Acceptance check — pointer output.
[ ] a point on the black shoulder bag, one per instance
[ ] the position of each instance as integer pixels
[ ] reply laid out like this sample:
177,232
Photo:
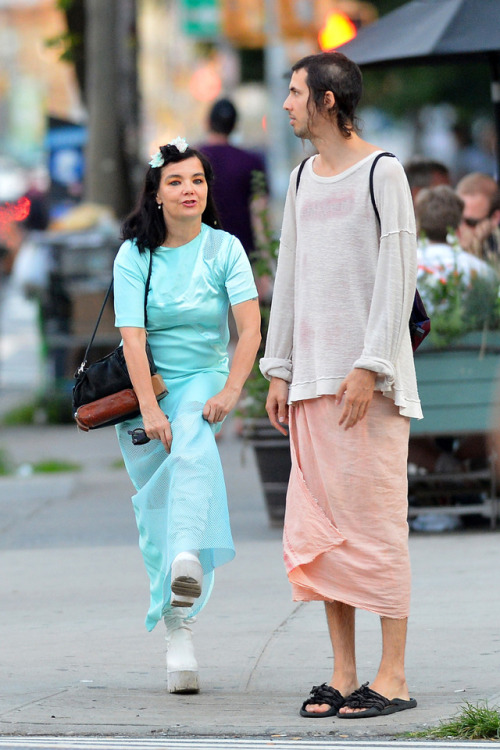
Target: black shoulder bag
103,394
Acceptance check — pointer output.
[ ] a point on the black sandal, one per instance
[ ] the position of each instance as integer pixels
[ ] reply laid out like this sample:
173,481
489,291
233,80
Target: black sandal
323,694
373,704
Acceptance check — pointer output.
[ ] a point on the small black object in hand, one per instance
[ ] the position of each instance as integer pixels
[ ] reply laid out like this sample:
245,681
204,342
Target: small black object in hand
139,436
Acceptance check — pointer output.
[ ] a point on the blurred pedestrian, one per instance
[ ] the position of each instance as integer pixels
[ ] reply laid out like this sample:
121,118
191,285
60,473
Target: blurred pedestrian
475,148
197,272
424,173
233,168
438,213
479,229
340,362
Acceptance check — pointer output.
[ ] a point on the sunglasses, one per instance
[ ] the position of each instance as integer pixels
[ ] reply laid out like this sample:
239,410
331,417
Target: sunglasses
139,436
472,223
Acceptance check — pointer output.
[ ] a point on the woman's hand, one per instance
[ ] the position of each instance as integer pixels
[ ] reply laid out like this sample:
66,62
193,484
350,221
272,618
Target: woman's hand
157,426
357,391
247,319
276,404
218,407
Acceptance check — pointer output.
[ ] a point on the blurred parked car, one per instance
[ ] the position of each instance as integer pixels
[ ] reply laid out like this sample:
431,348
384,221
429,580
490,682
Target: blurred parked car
23,206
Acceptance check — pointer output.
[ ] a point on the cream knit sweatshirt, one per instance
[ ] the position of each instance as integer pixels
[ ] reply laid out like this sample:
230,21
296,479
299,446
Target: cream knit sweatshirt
344,288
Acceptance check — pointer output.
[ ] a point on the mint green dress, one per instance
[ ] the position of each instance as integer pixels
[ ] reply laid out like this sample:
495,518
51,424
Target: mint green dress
180,501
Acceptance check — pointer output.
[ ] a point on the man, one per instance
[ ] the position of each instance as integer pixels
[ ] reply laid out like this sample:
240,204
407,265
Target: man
340,362
425,173
438,213
479,231
233,168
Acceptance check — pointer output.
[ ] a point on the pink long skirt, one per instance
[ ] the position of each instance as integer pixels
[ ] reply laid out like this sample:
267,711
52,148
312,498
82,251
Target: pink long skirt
346,532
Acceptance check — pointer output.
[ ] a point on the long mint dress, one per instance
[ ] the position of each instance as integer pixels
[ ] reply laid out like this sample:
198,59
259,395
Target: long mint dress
180,501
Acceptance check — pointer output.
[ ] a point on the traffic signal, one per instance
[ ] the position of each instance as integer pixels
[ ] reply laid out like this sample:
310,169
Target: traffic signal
331,22
297,18
243,22
339,20
338,29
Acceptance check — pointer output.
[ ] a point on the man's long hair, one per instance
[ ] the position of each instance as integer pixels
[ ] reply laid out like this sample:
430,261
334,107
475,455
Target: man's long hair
146,223
333,71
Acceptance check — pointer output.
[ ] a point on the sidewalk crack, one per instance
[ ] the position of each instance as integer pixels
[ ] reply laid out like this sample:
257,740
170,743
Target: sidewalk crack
272,637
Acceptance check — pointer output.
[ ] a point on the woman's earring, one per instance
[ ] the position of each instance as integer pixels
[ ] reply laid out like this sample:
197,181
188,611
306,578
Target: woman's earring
159,206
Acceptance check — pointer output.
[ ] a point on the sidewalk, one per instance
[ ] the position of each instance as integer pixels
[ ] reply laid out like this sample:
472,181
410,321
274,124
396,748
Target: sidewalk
76,657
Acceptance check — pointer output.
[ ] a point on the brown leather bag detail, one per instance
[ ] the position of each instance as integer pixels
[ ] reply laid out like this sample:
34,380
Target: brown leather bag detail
105,410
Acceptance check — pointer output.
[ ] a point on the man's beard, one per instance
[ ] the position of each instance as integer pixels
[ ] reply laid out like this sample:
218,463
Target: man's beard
302,132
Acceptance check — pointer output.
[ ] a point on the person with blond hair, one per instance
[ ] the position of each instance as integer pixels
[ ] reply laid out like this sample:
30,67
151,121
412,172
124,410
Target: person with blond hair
479,229
438,213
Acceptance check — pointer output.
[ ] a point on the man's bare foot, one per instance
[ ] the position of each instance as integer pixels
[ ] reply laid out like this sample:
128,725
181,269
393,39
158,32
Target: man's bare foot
322,708
389,688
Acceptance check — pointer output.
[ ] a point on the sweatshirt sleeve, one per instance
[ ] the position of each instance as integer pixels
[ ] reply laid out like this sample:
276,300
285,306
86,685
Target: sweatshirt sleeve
395,278
277,360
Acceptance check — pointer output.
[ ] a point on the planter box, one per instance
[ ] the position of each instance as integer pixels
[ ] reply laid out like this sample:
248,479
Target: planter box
272,454
460,394
458,386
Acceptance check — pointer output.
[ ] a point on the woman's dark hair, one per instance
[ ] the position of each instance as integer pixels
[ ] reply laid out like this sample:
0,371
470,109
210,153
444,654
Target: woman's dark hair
333,71
146,223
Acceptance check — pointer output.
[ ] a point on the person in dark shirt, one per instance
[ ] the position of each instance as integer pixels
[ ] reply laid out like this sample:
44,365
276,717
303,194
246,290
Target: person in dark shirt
233,169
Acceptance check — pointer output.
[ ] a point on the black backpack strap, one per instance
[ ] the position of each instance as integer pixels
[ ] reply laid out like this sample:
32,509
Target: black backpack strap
146,291
299,173
372,192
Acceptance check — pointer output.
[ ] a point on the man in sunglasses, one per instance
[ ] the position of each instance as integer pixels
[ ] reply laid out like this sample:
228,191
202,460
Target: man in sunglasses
479,230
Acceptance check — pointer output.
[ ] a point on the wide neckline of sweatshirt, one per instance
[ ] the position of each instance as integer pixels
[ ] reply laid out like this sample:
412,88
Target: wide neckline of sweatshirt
341,175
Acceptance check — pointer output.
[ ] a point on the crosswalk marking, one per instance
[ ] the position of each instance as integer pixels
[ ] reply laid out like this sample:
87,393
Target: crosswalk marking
219,743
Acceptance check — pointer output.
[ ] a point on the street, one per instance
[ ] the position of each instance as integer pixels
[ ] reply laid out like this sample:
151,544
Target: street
178,743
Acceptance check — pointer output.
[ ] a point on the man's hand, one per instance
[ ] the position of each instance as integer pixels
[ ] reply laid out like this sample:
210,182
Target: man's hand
357,391
276,404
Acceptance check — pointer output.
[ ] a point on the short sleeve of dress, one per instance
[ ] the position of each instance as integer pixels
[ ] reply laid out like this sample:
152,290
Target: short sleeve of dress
239,281
129,280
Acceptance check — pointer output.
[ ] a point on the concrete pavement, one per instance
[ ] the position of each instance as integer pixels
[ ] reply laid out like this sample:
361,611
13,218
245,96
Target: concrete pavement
76,657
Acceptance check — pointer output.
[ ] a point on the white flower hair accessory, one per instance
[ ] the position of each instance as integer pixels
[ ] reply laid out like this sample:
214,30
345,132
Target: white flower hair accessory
180,144
157,160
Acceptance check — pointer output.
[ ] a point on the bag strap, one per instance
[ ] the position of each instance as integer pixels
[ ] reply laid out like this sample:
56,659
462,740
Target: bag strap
299,173
146,291
372,192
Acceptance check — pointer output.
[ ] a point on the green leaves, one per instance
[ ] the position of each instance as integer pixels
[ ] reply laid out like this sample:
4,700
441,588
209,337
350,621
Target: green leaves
475,722
458,303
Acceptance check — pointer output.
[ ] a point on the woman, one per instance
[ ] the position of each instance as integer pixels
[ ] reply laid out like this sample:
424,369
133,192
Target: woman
197,271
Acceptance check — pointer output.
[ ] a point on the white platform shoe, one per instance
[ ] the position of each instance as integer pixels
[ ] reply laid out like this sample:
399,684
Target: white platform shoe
182,667
187,579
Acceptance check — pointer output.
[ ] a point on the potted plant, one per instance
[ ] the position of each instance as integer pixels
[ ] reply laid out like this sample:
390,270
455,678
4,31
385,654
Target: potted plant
272,450
460,304
457,374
